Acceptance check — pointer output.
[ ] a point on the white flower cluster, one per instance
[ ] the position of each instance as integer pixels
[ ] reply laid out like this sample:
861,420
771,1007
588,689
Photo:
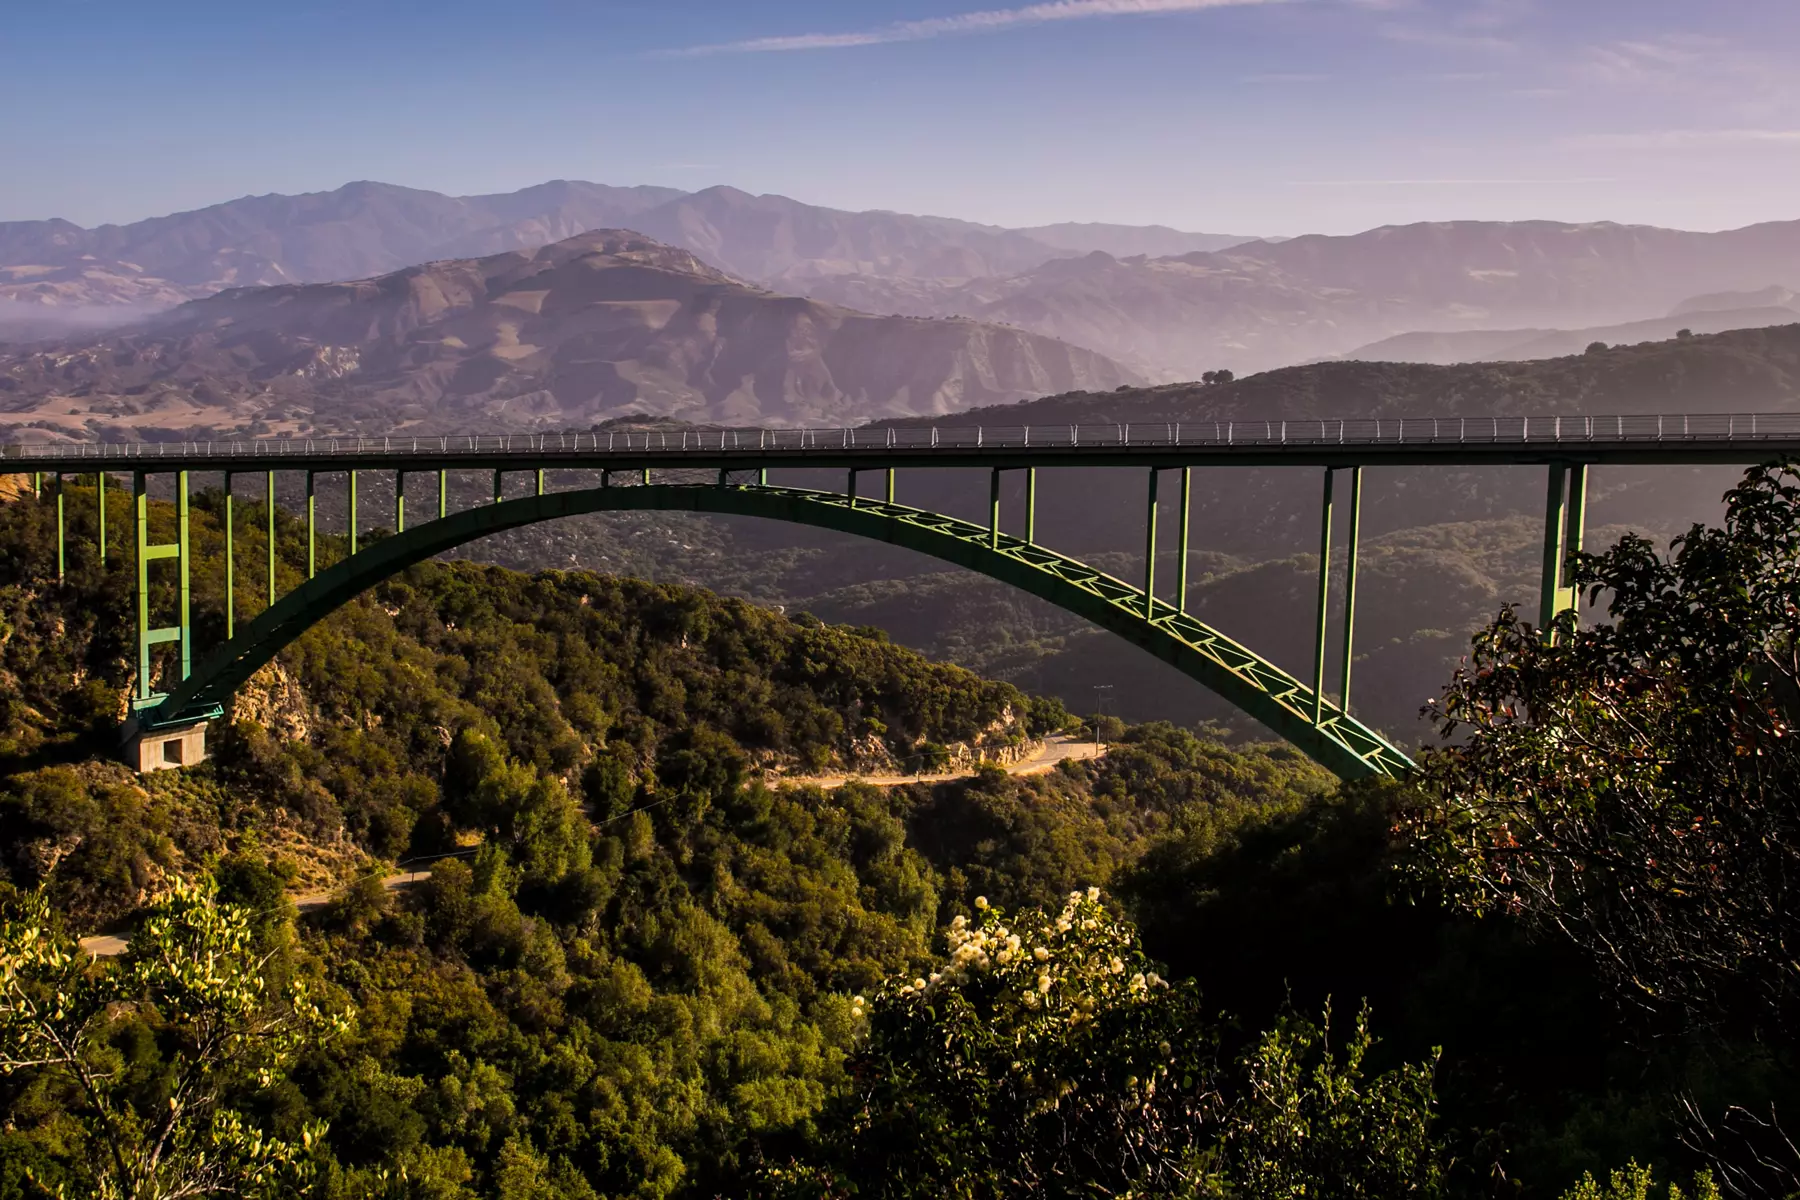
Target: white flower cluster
1069,964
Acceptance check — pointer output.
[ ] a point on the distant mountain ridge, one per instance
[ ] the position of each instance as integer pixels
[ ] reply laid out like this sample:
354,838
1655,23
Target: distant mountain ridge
1265,304
606,324
359,230
1521,345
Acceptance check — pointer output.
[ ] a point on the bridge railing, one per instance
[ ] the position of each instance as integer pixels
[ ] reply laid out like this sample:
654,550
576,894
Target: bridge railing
1424,431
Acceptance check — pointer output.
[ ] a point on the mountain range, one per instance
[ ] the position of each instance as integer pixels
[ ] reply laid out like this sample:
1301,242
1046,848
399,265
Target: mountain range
55,274
1436,292
605,324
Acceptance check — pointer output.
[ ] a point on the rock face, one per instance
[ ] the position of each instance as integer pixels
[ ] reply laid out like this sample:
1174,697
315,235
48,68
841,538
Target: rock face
606,324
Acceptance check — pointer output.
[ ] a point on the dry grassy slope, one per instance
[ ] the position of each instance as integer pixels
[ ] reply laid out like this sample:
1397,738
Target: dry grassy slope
602,325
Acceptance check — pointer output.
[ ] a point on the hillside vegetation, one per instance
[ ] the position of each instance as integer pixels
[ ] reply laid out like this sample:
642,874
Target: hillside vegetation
638,969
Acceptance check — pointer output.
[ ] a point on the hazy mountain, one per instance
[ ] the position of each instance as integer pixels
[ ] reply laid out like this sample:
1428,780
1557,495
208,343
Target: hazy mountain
1126,241
1263,304
1517,345
1773,296
358,230
786,243
605,324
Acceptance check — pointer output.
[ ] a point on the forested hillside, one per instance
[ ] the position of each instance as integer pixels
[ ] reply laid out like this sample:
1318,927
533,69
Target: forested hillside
640,968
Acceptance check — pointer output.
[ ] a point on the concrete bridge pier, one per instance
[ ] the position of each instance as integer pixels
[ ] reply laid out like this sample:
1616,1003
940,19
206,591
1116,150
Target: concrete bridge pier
165,747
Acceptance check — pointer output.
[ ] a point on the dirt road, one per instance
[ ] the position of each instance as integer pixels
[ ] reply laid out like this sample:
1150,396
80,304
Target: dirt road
1054,750
107,945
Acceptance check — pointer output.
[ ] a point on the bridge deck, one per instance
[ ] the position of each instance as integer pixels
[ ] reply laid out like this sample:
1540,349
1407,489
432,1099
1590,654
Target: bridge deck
1641,439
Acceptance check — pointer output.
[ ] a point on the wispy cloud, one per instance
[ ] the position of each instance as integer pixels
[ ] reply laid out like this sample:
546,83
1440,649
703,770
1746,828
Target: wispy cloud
1287,77
1447,182
1683,139
990,21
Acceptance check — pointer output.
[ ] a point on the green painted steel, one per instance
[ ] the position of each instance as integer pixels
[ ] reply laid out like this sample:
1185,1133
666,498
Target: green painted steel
1150,549
443,494
1181,574
1324,622
1575,534
1245,679
140,501
1030,503
399,501
1555,531
994,508
312,513
499,487
61,552
762,481
269,505
182,558
849,483
100,502
353,542
540,481
230,555
1350,585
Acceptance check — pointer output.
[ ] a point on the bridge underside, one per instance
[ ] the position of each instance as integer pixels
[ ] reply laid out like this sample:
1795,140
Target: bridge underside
1287,706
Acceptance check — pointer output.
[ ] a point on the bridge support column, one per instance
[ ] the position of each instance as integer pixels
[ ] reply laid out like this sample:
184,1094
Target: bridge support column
540,481
269,514
890,485
1181,576
1577,529
352,512
1324,599
399,501
443,496
230,583
100,501
61,552
181,566
1350,586
312,540
1565,521
850,487
141,505
1150,549
1030,503
994,509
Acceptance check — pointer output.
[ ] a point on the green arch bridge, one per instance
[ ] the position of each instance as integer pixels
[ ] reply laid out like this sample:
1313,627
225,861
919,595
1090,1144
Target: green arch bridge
619,471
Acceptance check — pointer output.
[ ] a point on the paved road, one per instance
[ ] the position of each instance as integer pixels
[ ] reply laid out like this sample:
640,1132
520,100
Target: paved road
1053,750
109,945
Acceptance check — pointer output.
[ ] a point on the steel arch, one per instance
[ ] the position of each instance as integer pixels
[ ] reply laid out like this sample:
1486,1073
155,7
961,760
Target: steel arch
1264,691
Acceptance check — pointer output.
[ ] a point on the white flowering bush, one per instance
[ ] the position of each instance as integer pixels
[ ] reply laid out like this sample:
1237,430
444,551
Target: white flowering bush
1045,1056
192,980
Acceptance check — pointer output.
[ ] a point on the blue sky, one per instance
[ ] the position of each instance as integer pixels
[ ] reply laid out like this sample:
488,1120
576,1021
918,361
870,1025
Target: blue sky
1278,116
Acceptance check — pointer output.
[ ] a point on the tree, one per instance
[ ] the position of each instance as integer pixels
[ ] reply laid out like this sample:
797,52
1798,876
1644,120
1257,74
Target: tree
1597,348
1308,1123
1045,1058
164,1123
1636,785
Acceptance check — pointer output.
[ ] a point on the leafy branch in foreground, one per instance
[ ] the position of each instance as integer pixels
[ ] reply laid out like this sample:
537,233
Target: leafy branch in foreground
1048,1058
192,982
1636,784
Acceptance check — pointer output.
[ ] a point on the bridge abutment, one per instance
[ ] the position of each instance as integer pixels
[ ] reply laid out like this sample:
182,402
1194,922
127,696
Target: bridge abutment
166,748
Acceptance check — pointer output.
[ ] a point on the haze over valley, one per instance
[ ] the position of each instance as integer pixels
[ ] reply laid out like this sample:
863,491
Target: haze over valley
1163,304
